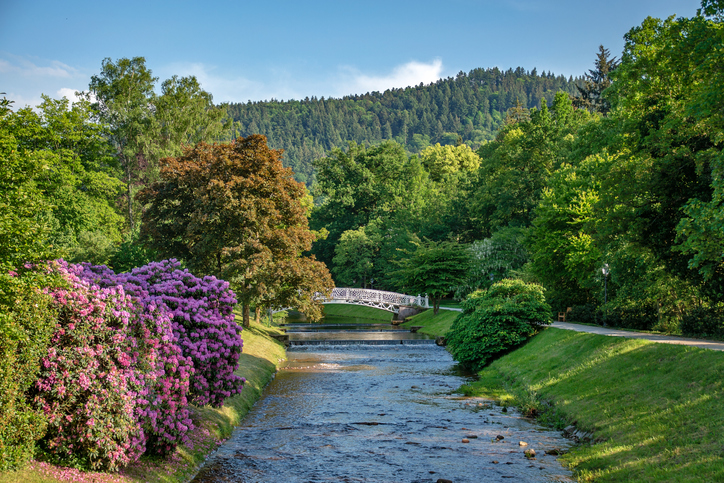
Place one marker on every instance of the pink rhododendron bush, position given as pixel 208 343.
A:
pixel 128 354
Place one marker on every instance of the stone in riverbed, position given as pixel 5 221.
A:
pixel 522 443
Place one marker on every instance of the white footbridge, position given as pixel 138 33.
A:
pixel 379 299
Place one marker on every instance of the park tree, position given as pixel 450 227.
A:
pixel 80 182
pixel 443 162
pixel 123 95
pixel 590 95
pixel 232 210
pixel 355 254
pixel 360 185
pixel 434 268
pixel 145 127
pixel 24 226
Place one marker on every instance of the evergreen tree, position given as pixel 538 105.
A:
pixel 597 80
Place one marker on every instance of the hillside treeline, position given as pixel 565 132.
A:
pixel 469 108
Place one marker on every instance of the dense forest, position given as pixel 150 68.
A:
pixel 469 108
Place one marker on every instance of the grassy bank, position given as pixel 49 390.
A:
pixel 357 311
pixel 258 363
pixel 436 325
pixel 656 409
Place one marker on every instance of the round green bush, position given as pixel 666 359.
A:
pixel 497 320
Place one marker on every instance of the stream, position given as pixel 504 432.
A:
pixel 371 407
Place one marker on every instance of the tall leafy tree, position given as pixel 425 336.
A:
pixel 144 126
pixel 233 210
pixel 123 94
pixel 81 181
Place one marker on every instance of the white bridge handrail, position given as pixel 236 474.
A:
pixel 380 299
pixel 341 294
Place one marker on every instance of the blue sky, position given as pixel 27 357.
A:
pixel 282 49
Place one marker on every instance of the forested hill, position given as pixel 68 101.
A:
pixel 472 106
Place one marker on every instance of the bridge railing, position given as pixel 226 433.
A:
pixel 370 295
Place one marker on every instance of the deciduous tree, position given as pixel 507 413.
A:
pixel 232 209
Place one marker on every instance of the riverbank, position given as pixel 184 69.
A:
pixel 655 411
pixel 261 357
pixel 357 312
pixel 436 325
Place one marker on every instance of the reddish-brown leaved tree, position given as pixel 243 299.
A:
pixel 233 210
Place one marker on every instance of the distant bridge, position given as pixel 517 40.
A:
pixel 379 299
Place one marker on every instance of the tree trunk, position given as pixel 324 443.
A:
pixel 245 316
pixel 129 194
pixel 435 306
pixel 257 314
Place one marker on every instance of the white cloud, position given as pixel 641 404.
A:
pixel 70 94
pixel 20 101
pixel 22 67
pixel 281 84
pixel 405 75
pixel 231 89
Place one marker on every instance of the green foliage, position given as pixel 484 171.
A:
pixel 77 182
pixel 144 127
pixel 497 320
pixel 494 258
pixel 516 166
pixel 704 321
pixel 435 269
pixel 591 94
pixel 467 109
pixel 445 161
pixel 26 323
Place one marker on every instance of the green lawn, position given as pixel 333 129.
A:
pixel 357 311
pixel 657 409
pixel 436 325
pixel 258 362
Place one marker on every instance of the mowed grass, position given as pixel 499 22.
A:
pixel 357 311
pixel 657 409
pixel 258 363
pixel 436 325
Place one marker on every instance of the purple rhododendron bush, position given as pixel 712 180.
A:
pixel 128 354
pixel 203 321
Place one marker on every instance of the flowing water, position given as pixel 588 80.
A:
pixel 380 412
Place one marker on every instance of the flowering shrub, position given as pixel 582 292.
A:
pixel 162 406
pixel 203 322
pixel 88 381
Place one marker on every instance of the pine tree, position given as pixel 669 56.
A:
pixel 597 80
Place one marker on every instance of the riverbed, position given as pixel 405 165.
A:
pixel 382 413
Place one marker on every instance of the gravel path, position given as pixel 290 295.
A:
pixel 666 339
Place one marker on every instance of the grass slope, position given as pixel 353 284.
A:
pixel 658 409
pixel 357 311
pixel 436 325
pixel 258 363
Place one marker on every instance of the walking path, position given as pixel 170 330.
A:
pixel 666 339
